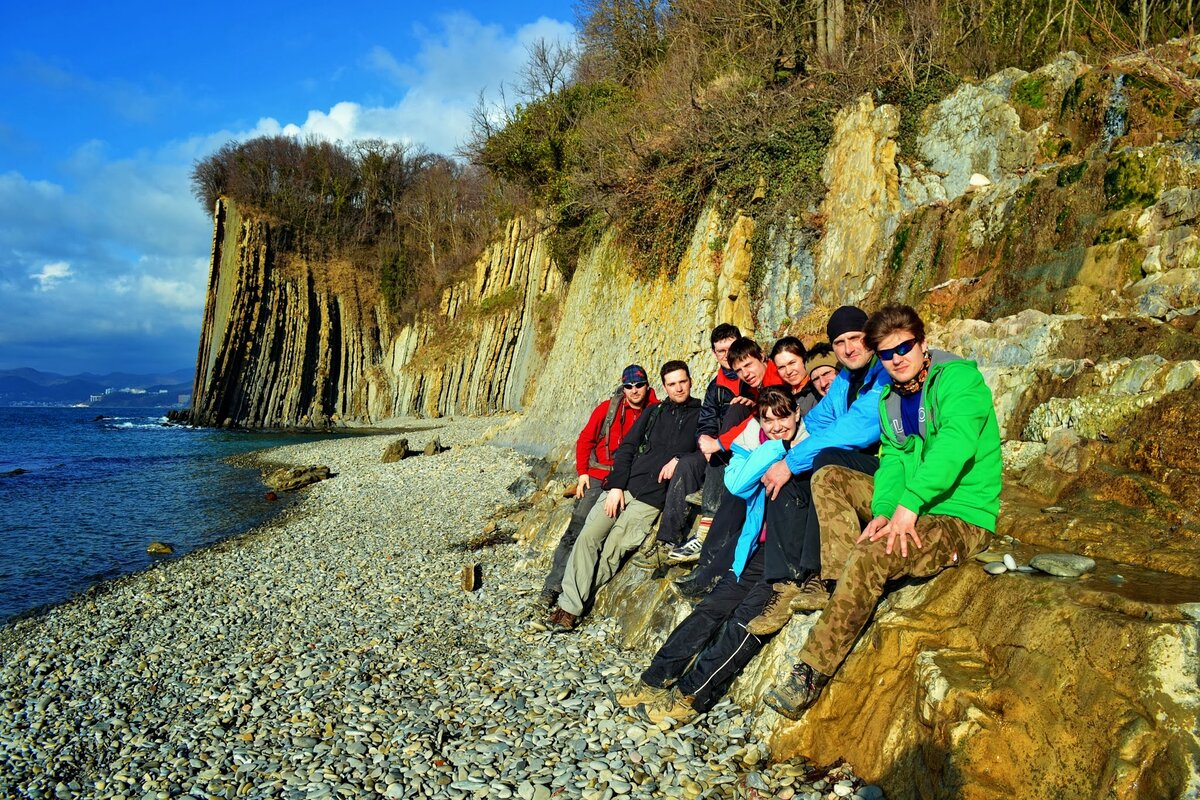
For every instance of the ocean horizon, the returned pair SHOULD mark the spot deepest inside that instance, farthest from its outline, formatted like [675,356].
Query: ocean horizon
[99,485]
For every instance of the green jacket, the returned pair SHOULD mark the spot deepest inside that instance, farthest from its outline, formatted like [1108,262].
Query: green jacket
[953,467]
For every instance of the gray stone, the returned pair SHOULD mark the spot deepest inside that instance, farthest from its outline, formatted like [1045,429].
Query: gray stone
[1064,565]
[995,567]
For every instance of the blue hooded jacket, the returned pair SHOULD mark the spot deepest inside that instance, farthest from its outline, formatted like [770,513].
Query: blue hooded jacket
[831,425]
[742,476]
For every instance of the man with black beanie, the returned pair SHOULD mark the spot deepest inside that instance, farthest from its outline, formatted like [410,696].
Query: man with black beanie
[844,430]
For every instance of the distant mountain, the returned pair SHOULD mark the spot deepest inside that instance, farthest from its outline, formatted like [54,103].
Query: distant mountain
[31,386]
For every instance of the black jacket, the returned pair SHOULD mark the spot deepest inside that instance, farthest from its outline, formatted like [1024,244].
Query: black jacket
[661,433]
[716,400]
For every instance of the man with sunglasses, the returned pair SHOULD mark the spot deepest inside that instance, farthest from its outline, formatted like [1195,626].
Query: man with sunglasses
[594,449]
[636,489]
[932,504]
[843,429]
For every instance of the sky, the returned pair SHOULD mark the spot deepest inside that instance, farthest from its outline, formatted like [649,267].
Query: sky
[105,107]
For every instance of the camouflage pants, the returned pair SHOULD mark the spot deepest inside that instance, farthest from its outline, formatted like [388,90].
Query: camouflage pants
[842,498]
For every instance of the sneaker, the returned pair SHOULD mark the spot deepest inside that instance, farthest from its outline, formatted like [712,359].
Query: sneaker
[798,692]
[641,693]
[672,705]
[562,621]
[655,558]
[687,552]
[777,611]
[814,595]
[696,498]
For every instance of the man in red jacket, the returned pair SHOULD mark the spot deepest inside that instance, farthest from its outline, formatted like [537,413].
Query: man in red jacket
[594,450]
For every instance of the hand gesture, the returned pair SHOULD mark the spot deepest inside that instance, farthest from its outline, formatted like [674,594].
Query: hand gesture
[775,477]
[668,470]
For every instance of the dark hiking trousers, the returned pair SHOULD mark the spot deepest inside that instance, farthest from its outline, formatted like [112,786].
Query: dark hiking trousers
[793,546]
[558,564]
[689,476]
[716,556]
[714,637]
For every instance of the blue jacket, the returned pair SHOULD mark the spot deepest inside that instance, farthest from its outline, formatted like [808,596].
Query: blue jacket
[742,477]
[831,425]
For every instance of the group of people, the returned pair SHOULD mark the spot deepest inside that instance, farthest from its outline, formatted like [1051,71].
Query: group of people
[820,474]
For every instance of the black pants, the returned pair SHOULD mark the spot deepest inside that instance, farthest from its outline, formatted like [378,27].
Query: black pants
[711,647]
[793,546]
[689,476]
[716,556]
[558,564]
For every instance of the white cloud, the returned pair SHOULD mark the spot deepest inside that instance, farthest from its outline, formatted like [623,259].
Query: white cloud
[51,275]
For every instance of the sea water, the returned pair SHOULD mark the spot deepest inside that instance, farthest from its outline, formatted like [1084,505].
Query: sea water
[97,491]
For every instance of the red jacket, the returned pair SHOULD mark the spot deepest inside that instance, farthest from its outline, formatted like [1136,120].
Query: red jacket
[589,441]
[770,378]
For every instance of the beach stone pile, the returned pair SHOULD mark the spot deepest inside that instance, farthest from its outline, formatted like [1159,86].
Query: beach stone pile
[333,654]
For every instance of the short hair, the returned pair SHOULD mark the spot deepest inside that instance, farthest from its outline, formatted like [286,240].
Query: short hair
[789,344]
[776,400]
[726,330]
[745,346]
[892,318]
[672,366]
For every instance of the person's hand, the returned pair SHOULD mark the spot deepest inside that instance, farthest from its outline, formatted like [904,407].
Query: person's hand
[872,526]
[743,401]
[614,503]
[582,485]
[775,477]
[902,526]
[708,445]
[668,470]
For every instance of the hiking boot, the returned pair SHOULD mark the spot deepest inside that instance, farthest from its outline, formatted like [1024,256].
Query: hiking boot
[814,595]
[563,621]
[672,705]
[687,552]
[777,611]
[696,498]
[798,692]
[548,598]
[692,587]
[654,558]
[641,693]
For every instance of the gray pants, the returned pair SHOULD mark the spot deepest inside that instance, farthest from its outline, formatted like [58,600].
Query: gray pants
[598,551]
[583,507]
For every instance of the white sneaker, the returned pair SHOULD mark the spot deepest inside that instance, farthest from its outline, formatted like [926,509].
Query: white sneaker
[686,552]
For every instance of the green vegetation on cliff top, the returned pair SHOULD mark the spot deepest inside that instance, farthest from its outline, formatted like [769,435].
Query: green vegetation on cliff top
[665,105]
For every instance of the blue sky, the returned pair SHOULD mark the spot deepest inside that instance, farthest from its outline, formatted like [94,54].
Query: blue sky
[104,107]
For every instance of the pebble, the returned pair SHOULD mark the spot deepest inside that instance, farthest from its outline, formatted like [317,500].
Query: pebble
[1010,562]
[995,567]
[332,654]
[1064,565]
[869,792]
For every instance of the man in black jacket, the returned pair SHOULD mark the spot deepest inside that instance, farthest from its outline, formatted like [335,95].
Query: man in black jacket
[637,488]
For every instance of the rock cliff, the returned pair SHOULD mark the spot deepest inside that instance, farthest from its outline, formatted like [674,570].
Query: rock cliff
[1048,224]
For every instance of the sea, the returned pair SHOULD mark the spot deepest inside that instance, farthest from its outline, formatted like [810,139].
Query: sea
[100,485]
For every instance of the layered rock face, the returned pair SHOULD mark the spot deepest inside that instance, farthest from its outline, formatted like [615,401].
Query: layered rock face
[1047,225]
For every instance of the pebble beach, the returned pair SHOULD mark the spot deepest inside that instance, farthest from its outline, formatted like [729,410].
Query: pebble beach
[333,653]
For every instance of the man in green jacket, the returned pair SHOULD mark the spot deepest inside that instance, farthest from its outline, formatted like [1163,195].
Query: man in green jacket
[932,504]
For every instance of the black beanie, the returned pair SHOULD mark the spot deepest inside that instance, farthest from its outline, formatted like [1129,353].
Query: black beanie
[844,320]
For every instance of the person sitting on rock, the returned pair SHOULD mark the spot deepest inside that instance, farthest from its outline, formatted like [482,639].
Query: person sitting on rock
[594,449]
[637,485]
[698,469]
[788,356]
[843,429]
[932,504]
[711,646]
[822,366]
[754,372]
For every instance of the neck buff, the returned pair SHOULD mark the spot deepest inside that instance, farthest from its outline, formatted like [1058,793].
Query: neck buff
[909,388]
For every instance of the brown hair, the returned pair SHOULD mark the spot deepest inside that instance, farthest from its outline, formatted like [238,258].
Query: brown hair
[789,344]
[743,347]
[672,366]
[776,400]
[890,319]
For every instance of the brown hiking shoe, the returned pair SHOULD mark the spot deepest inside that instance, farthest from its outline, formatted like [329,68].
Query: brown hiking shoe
[562,621]
[798,692]
[814,595]
[654,558]
[642,692]
[777,611]
[674,706]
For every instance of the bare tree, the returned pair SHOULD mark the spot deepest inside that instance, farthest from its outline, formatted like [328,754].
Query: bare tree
[548,68]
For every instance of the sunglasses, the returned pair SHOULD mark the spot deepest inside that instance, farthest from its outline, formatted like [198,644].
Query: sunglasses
[637,385]
[902,349]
